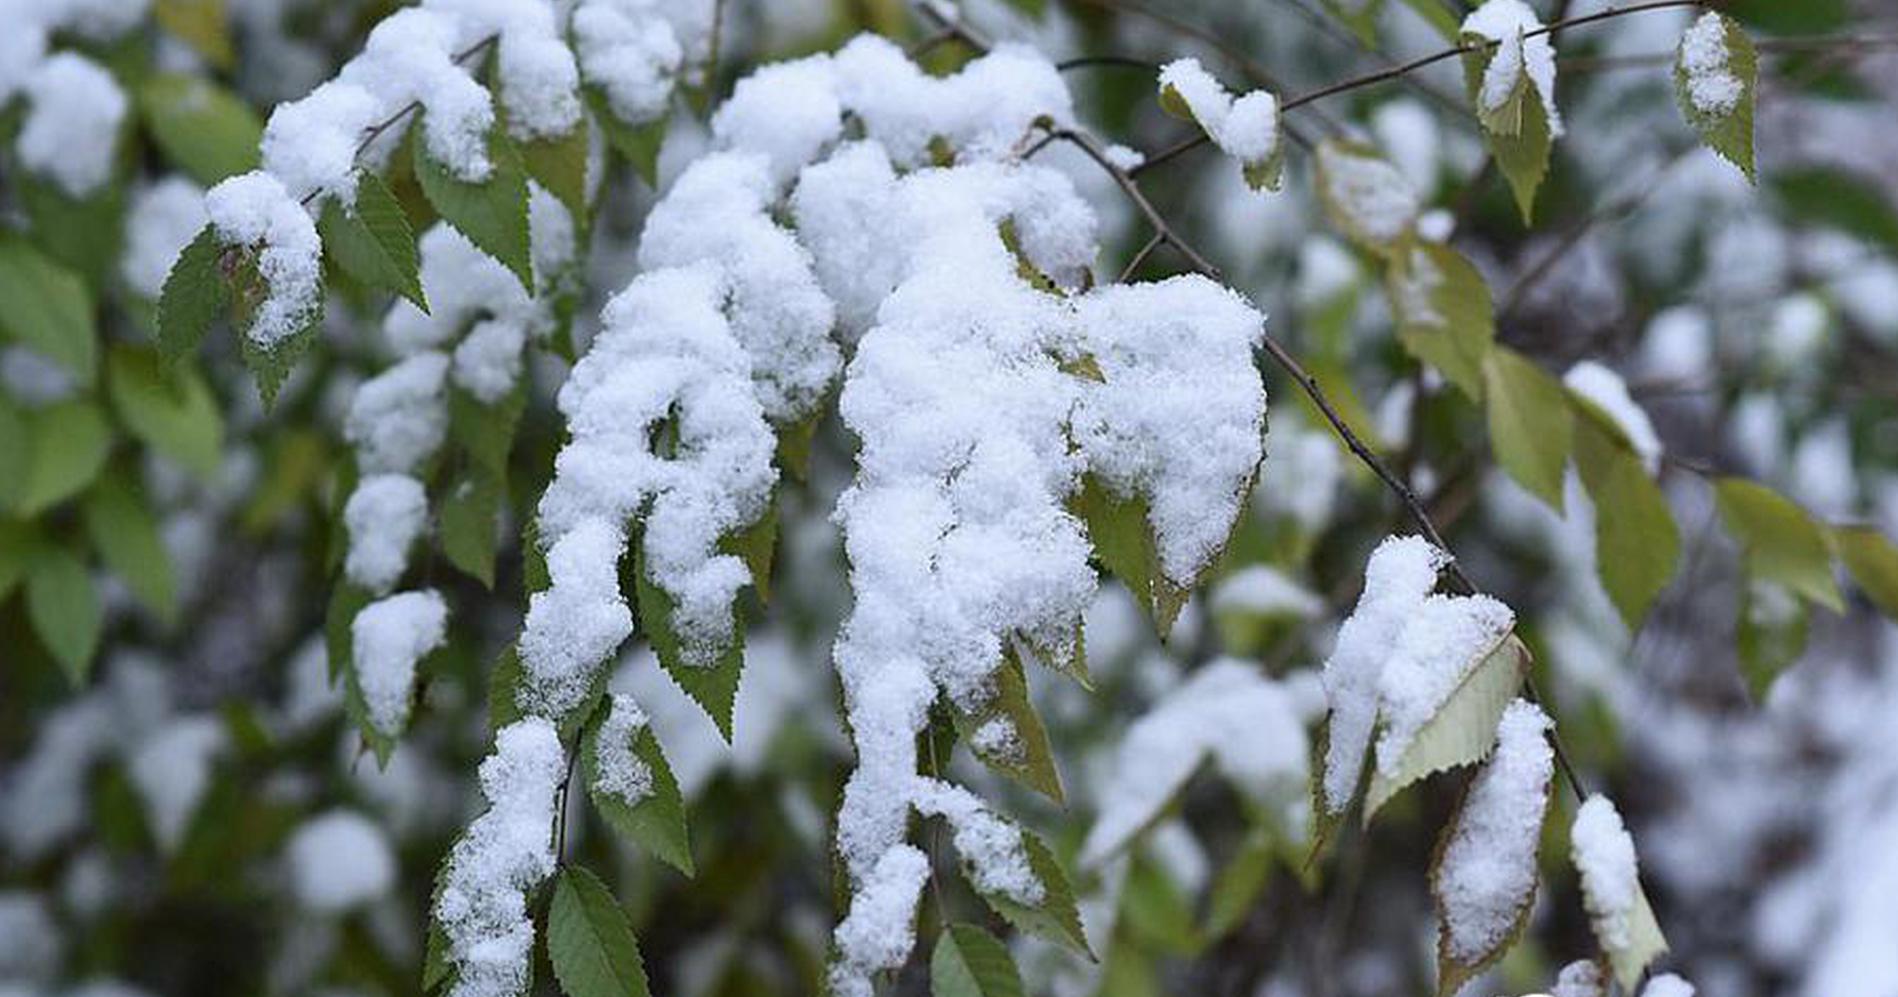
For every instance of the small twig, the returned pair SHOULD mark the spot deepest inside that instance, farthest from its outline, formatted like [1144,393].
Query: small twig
[1127,271]
[1117,61]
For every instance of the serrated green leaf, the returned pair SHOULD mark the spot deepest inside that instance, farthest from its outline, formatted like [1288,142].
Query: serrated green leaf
[1463,731]
[638,144]
[194,295]
[657,822]
[1529,423]
[1239,884]
[271,365]
[504,683]
[970,962]
[373,242]
[209,132]
[1056,918]
[48,308]
[437,972]
[560,166]
[714,685]
[1873,562]
[171,410]
[200,24]
[1729,134]
[64,609]
[67,445]
[1781,543]
[1518,135]
[1444,315]
[1122,539]
[1637,543]
[492,213]
[1771,634]
[470,519]
[1025,756]
[125,535]
[589,941]
[486,430]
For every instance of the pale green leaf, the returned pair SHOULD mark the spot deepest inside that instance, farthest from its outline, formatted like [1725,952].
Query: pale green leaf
[125,534]
[1637,542]
[64,609]
[1518,134]
[1730,133]
[1025,755]
[589,941]
[657,822]
[1529,423]
[67,445]
[1443,312]
[1464,730]
[970,962]
[1240,883]
[47,308]
[1873,562]
[1645,944]
[492,213]
[1056,918]
[209,132]
[1780,542]
[470,522]
[373,242]
[172,410]
[1771,633]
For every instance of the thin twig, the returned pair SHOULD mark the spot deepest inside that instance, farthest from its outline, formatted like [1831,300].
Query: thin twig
[1139,258]
[1116,61]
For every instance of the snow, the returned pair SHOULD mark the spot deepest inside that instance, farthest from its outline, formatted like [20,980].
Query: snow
[880,929]
[1667,985]
[1262,589]
[1602,386]
[72,129]
[1226,711]
[1678,345]
[1245,128]
[30,942]
[1511,24]
[467,289]
[389,637]
[498,863]
[338,860]
[1486,877]
[310,144]
[1443,639]
[398,419]
[163,219]
[1712,88]
[539,79]
[621,773]
[578,621]
[632,57]
[1581,978]
[1604,855]
[384,516]
[991,847]
[487,362]
[171,771]
[1823,475]
[409,57]
[1370,194]
[1397,578]
[254,209]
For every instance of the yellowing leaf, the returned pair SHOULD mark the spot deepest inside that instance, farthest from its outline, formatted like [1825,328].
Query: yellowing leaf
[1443,312]
[1873,562]
[1464,730]
[1637,543]
[1781,543]
[1529,423]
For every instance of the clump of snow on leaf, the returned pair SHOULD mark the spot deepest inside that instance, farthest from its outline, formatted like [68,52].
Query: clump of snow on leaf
[398,418]
[1245,128]
[622,773]
[1487,875]
[254,210]
[72,127]
[1443,638]
[1711,84]
[390,636]
[1604,855]
[1372,198]
[1605,388]
[339,860]
[162,221]
[1667,985]
[1581,978]
[1511,24]
[384,516]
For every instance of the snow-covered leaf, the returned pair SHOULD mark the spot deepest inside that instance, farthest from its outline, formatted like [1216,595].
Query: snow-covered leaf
[656,822]
[1056,918]
[1463,731]
[1781,543]
[713,686]
[1366,197]
[1618,909]
[1529,423]
[373,242]
[589,941]
[970,962]
[1715,75]
[492,213]
[1637,543]
[1007,734]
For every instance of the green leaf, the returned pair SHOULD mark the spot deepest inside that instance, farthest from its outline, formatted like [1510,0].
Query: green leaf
[18,544]
[485,430]
[1529,423]
[83,234]
[380,742]
[209,132]
[504,682]
[1123,541]
[1731,133]
[1771,634]
[492,213]
[1837,199]
[755,545]
[194,296]
[48,308]
[1873,562]
[68,444]
[1438,16]
[1464,730]
[638,144]
[1807,17]
[64,609]
[125,534]
[1443,311]
[1517,134]
[1156,912]
[657,822]
[470,517]
[346,600]
[16,449]
[589,941]
[1781,543]
[1025,755]
[373,243]
[200,24]
[171,410]
[1343,169]
[1056,918]
[1637,543]
[1239,884]
[1360,16]
[970,962]
[560,166]
[271,365]
[713,685]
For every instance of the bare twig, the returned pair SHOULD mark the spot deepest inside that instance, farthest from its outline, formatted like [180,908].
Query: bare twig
[1127,271]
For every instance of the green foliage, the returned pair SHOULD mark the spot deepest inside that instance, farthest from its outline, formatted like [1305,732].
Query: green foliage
[713,685]
[1454,972]
[1463,730]
[200,24]
[492,213]
[372,242]
[469,522]
[65,611]
[1529,423]
[1443,312]
[589,941]
[1240,883]
[169,408]
[1026,756]
[970,962]
[1729,134]
[637,144]
[48,308]
[1637,543]
[1517,132]
[1823,195]
[66,445]
[125,534]
[1055,918]
[194,295]
[1873,562]
[1123,542]
[1771,634]
[1782,544]
[560,166]
[209,132]
[657,822]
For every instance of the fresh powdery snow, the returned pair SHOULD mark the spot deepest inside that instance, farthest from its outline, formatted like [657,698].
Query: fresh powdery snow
[1705,64]
[1510,23]
[1443,638]
[1581,978]
[71,130]
[620,772]
[384,515]
[1667,985]
[399,418]
[1605,388]
[1486,877]
[172,770]
[254,209]
[339,860]
[1245,128]
[1604,855]
[162,220]
[390,636]
[500,860]
[1372,196]
[1227,711]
